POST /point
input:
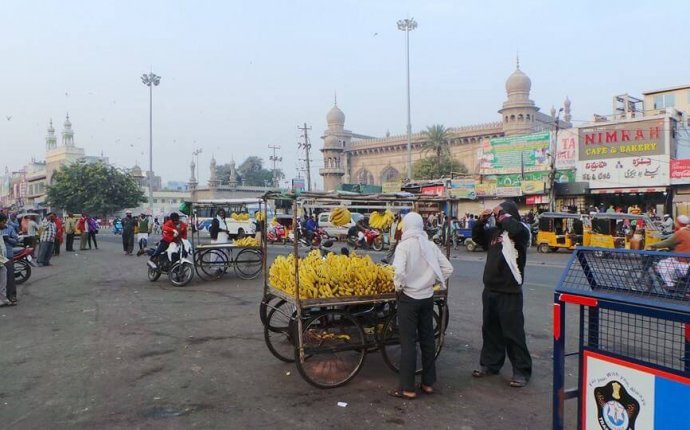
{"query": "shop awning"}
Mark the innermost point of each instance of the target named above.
(629, 190)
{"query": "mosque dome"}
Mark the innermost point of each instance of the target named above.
(335, 116)
(518, 82)
(136, 171)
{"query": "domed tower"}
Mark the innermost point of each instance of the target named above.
(336, 141)
(51, 141)
(192, 179)
(518, 111)
(68, 133)
(213, 181)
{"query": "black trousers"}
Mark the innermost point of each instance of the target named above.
(11, 285)
(503, 331)
(92, 236)
(56, 247)
(69, 243)
(128, 242)
(416, 322)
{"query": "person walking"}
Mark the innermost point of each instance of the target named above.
(93, 231)
(83, 231)
(8, 287)
(419, 265)
(70, 226)
(47, 240)
(503, 321)
(31, 230)
(4, 300)
(144, 229)
(395, 236)
(128, 224)
(59, 228)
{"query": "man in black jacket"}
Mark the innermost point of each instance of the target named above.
(503, 323)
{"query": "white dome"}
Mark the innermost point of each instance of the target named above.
(335, 116)
(518, 82)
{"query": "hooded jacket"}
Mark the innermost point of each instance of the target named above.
(498, 276)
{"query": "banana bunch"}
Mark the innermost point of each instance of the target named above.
(340, 216)
(259, 216)
(240, 217)
(381, 221)
(333, 276)
(247, 241)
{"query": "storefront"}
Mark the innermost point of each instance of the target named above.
(655, 198)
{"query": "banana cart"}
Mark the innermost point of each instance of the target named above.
(328, 337)
(214, 260)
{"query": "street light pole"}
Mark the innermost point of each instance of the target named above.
(151, 80)
(408, 25)
(196, 153)
(552, 172)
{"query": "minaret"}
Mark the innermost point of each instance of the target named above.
(213, 181)
(192, 180)
(566, 108)
(51, 140)
(232, 181)
(335, 142)
(518, 112)
(67, 133)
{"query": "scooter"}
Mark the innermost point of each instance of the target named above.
(372, 238)
(117, 227)
(23, 262)
(277, 234)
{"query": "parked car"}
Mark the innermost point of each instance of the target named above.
(334, 231)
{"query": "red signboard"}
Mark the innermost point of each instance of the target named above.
(680, 169)
(434, 190)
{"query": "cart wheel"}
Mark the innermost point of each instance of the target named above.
(248, 263)
(212, 264)
(265, 306)
(390, 344)
(334, 349)
(378, 244)
(279, 331)
(544, 248)
(22, 272)
(180, 274)
(153, 274)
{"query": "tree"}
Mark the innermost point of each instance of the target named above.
(430, 168)
(93, 188)
(437, 142)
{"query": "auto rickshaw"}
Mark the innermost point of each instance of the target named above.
(620, 230)
(560, 230)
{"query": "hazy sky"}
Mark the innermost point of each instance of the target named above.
(239, 76)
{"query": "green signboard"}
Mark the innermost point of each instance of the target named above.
(515, 154)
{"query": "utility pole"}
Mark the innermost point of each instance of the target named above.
(306, 146)
(552, 172)
(275, 159)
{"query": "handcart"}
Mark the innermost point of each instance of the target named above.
(328, 338)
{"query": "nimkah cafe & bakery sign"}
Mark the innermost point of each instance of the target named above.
(631, 139)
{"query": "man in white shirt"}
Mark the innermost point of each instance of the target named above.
(419, 265)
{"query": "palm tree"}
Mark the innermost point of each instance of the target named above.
(437, 142)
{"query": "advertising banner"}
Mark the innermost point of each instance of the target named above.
(515, 154)
(463, 189)
(532, 187)
(391, 187)
(485, 190)
(625, 172)
(566, 148)
(298, 184)
(508, 191)
(620, 395)
(434, 190)
(680, 171)
(623, 140)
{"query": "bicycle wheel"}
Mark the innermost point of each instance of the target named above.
(390, 343)
(265, 306)
(180, 274)
(211, 264)
(334, 349)
(279, 331)
(248, 263)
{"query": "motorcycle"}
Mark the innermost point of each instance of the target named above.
(117, 227)
(23, 261)
(175, 261)
(372, 238)
(277, 234)
(317, 237)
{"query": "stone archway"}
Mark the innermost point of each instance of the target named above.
(390, 174)
(364, 177)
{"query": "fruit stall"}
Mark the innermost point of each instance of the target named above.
(325, 311)
(243, 254)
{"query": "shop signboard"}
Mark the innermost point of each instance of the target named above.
(618, 394)
(485, 190)
(508, 191)
(433, 190)
(625, 172)
(532, 187)
(566, 149)
(622, 140)
(463, 189)
(298, 185)
(391, 187)
(515, 154)
(537, 200)
(680, 171)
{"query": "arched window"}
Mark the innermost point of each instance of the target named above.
(520, 117)
(512, 118)
(390, 174)
(364, 177)
(528, 117)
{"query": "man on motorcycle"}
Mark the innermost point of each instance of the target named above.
(173, 229)
(309, 228)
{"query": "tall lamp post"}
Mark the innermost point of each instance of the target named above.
(408, 25)
(552, 171)
(196, 154)
(150, 80)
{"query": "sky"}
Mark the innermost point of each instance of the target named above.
(238, 76)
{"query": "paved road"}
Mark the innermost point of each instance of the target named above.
(93, 344)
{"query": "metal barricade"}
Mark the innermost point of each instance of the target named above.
(633, 340)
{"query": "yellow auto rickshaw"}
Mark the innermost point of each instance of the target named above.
(620, 230)
(560, 230)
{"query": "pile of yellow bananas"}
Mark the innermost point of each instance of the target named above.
(247, 241)
(381, 221)
(333, 276)
(340, 217)
(240, 217)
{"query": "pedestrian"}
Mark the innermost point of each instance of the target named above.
(419, 265)
(31, 230)
(395, 235)
(219, 228)
(143, 233)
(93, 231)
(83, 231)
(503, 322)
(59, 228)
(70, 225)
(8, 287)
(47, 240)
(128, 224)
(672, 268)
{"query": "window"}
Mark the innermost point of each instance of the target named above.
(155, 200)
(664, 100)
